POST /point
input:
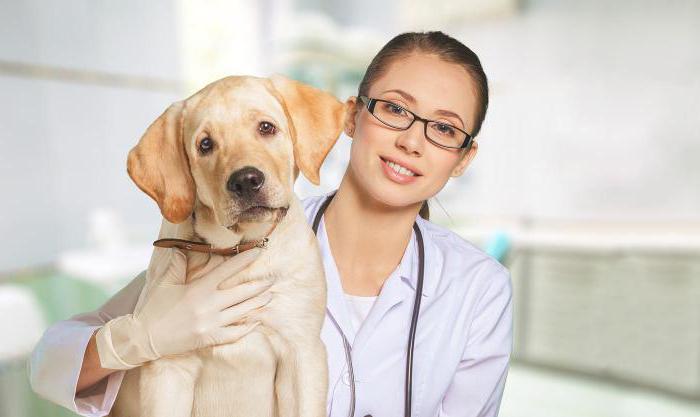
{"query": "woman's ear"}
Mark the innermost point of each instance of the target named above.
(465, 159)
(159, 166)
(350, 116)
(315, 119)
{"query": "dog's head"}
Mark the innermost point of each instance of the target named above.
(237, 146)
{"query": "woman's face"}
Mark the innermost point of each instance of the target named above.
(431, 88)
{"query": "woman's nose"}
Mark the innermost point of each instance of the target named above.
(412, 140)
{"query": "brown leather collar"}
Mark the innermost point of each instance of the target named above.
(207, 248)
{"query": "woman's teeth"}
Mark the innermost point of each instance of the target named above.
(401, 170)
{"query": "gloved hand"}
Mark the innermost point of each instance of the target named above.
(178, 318)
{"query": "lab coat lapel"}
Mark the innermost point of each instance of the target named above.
(394, 291)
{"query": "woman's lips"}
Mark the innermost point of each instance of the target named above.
(395, 176)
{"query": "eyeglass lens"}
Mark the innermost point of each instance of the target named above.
(395, 116)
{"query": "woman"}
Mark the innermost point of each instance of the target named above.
(419, 107)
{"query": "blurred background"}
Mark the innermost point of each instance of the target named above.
(586, 184)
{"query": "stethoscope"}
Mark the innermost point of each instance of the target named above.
(412, 331)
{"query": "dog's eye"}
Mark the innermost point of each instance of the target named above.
(206, 145)
(267, 128)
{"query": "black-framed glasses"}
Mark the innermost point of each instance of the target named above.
(440, 134)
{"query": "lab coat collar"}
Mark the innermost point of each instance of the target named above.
(408, 268)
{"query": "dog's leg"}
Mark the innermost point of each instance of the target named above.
(285, 377)
(312, 379)
(167, 386)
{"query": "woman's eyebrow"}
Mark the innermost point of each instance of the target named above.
(450, 113)
(403, 93)
(412, 99)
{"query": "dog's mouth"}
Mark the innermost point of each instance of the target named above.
(258, 214)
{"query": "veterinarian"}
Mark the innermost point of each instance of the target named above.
(413, 126)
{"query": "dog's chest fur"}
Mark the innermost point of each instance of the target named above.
(237, 379)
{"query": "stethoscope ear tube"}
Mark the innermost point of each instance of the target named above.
(412, 330)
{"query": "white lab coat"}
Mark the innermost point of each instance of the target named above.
(462, 348)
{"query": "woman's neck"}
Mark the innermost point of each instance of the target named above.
(367, 238)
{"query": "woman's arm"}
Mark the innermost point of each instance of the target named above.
(477, 387)
(91, 371)
(65, 367)
(122, 303)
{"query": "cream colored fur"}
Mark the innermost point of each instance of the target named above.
(280, 368)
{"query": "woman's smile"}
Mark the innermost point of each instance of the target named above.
(398, 173)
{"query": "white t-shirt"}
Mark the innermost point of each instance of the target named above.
(359, 307)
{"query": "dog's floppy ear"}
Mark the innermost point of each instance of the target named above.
(158, 165)
(316, 120)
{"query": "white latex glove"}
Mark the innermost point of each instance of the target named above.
(178, 318)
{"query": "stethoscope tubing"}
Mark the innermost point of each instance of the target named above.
(412, 330)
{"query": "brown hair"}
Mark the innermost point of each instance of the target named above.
(447, 48)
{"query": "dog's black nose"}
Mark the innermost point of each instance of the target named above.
(245, 182)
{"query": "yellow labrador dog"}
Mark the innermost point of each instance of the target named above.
(221, 165)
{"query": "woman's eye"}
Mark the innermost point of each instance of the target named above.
(206, 145)
(395, 109)
(267, 128)
(445, 129)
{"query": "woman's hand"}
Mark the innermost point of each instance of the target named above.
(178, 318)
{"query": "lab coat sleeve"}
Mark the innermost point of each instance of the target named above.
(477, 387)
(55, 362)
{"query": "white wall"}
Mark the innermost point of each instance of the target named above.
(594, 114)
(80, 82)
